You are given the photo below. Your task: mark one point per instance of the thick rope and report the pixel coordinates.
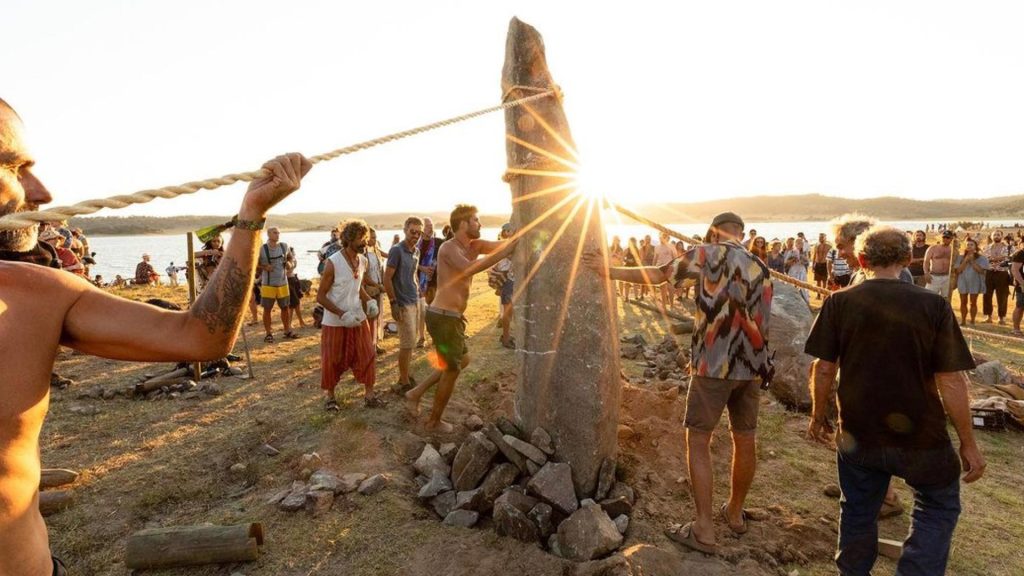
(788, 280)
(27, 219)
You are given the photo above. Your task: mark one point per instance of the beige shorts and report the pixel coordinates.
(939, 284)
(708, 397)
(407, 326)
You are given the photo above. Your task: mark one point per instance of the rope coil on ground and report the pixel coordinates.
(792, 281)
(21, 220)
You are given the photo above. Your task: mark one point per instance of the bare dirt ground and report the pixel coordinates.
(165, 463)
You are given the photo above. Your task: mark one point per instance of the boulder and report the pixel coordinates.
(605, 479)
(787, 332)
(438, 483)
(588, 534)
(541, 439)
(992, 373)
(323, 480)
(444, 503)
(513, 455)
(527, 449)
(463, 518)
(498, 479)
(351, 482)
(295, 499)
(511, 522)
(553, 484)
(318, 502)
(431, 460)
(472, 461)
(373, 484)
(473, 423)
(311, 462)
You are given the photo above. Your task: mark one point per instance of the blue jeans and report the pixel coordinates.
(864, 475)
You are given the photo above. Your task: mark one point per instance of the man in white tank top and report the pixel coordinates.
(345, 338)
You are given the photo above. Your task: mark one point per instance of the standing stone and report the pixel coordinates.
(511, 522)
(553, 484)
(605, 479)
(513, 455)
(463, 518)
(527, 449)
(589, 533)
(472, 461)
(430, 460)
(787, 332)
(569, 382)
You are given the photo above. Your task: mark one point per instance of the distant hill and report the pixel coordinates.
(806, 207)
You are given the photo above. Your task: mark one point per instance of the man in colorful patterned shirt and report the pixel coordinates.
(729, 358)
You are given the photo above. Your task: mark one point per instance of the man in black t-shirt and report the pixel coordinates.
(1017, 277)
(903, 360)
(917, 258)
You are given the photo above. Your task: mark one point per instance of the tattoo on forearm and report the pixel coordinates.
(220, 305)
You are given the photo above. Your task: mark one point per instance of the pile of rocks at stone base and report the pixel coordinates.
(498, 479)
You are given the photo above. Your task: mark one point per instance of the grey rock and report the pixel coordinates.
(188, 385)
(373, 484)
(553, 484)
(587, 502)
(233, 371)
(437, 484)
(526, 449)
(790, 324)
(279, 495)
(408, 445)
(992, 373)
(508, 427)
(191, 396)
(616, 507)
(311, 462)
(509, 521)
(295, 500)
(473, 423)
(213, 389)
(319, 502)
(238, 468)
(588, 534)
(448, 451)
(541, 439)
(532, 467)
(463, 518)
(513, 455)
(472, 461)
(541, 514)
(429, 461)
(323, 480)
(621, 523)
(517, 500)
(553, 545)
(84, 410)
(498, 479)
(421, 481)
(444, 503)
(605, 479)
(471, 500)
(110, 394)
(269, 450)
(631, 351)
(351, 482)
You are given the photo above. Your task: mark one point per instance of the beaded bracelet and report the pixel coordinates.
(248, 224)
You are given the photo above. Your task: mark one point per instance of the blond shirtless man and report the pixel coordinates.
(457, 262)
(936, 265)
(50, 308)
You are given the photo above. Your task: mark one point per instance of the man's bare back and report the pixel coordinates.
(453, 283)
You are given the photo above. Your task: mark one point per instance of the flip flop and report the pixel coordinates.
(332, 406)
(291, 336)
(375, 402)
(684, 535)
(269, 338)
(737, 531)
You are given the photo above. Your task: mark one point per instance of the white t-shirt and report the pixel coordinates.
(663, 254)
(344, 292)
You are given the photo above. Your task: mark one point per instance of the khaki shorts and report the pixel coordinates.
(407, 326)
(708, 397)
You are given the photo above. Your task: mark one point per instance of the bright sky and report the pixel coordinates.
(668, 101)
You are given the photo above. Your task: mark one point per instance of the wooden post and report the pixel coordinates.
(566, 320)
(954, 249)
(53, 501)
(53, 477)
(192, 545)
(196, 367)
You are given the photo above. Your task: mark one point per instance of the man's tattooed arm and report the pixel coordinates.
(220, 304)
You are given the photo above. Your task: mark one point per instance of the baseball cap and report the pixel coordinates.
(948, 234)
(727, 217)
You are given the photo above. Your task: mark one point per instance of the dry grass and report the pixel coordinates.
(163, 463)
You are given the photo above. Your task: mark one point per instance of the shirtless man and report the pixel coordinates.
(936, 265)
(50, 308)
(456, 264)
(820, 262)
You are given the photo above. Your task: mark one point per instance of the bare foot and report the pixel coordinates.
(412, 404)
(442, 427)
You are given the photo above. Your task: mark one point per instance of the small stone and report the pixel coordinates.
(526, 449)
(507, 427)
(189, 385)
(420, 480)
(173, 395)
(213, 389)
(110, 394)
(890, 548)
(268, 450)
(621, 523)
(233, 371)
(351, 482)
(833, 491)
(532, 467)
(437, 484)
(311, 461)
(587, 534)
(279, 495)
(553, 484)
(463, 518)
(448, 451)
(509, 521)
(541, 514)
(605, 479)
(295, 500)
(239, 468)
(541, 439)
(473, 423)
(553, 545)
(305, 473)
(472, 461)
(319, 502)
(625, 433)
(444, 503)
(190, 396)
(587, 502)
(373, 484)
(498, 439)
(622, 489)
(323, 480)
(498, 479)
(617, 506)
(517, 500)
(470, 500)
(429, 461)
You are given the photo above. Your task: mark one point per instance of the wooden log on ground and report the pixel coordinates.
(54, 477)
(565, 314)
(193, 545)
(168, 379)
(53, 501)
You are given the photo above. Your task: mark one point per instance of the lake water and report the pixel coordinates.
(120, 254)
